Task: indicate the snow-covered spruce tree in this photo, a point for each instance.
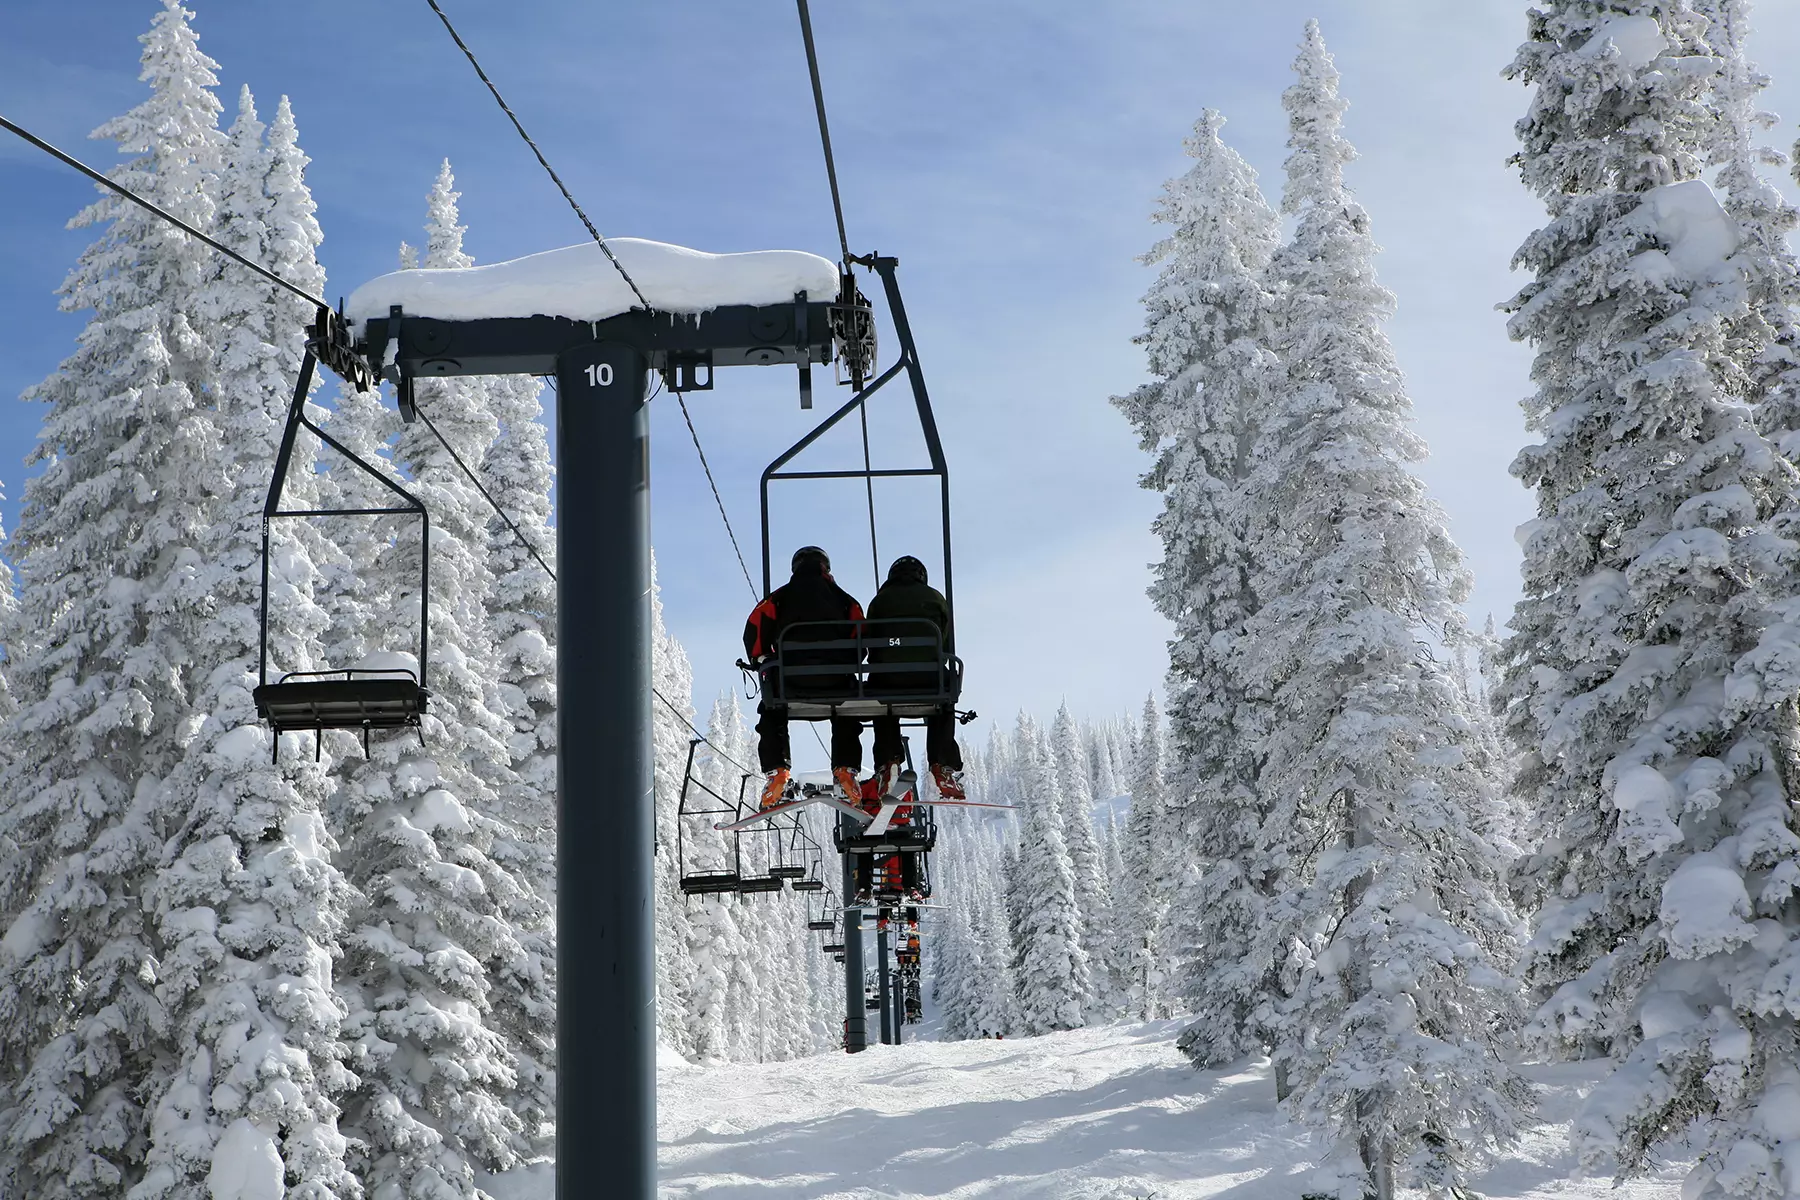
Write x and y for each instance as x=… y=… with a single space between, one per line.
x=1055 y=983
x=1763 y=341
x=432 y=965
x=1207 y=337
x=1145 y=889
x=1093 y=895
x=1391 y=933
x=13 y=636
x=715 y=942
x=105 y=545
x=670 y=733
x=248 y=906
x=1650 y=683
x=521 y=631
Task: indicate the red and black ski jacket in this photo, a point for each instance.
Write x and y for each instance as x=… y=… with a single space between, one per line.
x=811 y=595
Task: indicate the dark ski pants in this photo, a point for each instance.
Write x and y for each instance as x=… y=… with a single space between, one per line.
x=901 y=869
x=941 y=749
x=772 y=748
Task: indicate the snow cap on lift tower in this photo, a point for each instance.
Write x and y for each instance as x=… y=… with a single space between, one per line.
x=810 y=554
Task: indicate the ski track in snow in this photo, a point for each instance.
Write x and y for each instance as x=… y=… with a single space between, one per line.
x=1110 y=1113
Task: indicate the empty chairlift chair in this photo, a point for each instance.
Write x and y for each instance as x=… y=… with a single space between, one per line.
x=362 y=698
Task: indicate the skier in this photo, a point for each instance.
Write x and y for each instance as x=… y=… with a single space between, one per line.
x=811 y=594
x=907 y=593
x=888 y=874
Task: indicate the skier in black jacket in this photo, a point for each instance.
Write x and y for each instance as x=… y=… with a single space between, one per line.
x=810 y=595
x=907 y=593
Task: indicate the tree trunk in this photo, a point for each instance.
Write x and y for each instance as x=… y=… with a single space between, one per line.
x=1376 y=1151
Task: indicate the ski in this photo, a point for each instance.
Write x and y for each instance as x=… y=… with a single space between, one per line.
x=788 y=806
x=961 y=804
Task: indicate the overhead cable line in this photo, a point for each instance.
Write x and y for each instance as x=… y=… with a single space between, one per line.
x=492 y=503
x=717 y=499
x=623 y=273
x=554 y=177
x=812 y=67
x=837 y=210
x=533 y=551
x=683 y=718
x=164 y=213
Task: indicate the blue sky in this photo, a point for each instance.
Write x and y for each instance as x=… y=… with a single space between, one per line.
x=1008 y=152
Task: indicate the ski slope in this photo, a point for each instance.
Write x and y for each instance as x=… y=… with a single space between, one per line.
x=1110 y=1113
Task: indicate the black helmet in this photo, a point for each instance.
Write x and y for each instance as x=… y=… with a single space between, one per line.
x=810 y=554
x=907 y=569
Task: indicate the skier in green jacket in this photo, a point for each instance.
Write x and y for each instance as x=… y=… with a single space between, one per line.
x=907 y=593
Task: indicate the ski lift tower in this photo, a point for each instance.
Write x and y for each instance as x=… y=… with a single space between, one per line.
x=606 y=1017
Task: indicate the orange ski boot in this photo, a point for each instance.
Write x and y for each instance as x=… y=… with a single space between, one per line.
x=775 y=790
x=949 y=783
x=846 y=781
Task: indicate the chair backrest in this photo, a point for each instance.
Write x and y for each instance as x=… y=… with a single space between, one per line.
x=844 y=661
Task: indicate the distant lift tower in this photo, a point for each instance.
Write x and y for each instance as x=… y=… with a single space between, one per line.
x=605 y=960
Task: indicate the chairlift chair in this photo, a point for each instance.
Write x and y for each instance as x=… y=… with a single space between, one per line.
x=693 y=880
x=847 y=683
x=353 y=698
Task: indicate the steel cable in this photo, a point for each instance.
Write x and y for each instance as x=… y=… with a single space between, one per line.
x=170 y=217
x=544 y=162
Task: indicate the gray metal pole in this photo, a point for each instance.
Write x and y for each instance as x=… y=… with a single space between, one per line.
x=605 y=956
x=856 y=1019
x=899 y=1007
x=881 y=977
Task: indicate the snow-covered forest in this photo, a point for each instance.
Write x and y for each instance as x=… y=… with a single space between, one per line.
x=1410 y=867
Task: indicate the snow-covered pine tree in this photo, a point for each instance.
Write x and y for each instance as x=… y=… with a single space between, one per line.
x=1392 y=932
x=247 y=902
x=1207 y=337
x=1763 y=340
x=105 y=546
x=430 y=960
x=1055 y=984
x=1145 y=887
x=521 y=634
x=13 y=636
x=1651 y=677
x=1093 y=893
x=670 y=733
x=715 y=941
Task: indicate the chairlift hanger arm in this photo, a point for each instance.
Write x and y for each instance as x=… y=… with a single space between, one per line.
x=885 y=266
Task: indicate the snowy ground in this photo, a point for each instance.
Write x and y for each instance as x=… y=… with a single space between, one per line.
x=1097 y=1114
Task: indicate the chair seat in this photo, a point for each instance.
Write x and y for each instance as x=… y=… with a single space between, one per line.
x=820 y=709
x=760 y=883
x=709 y=883
x=894 y=841
x=809 y=885
x=310 y=704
